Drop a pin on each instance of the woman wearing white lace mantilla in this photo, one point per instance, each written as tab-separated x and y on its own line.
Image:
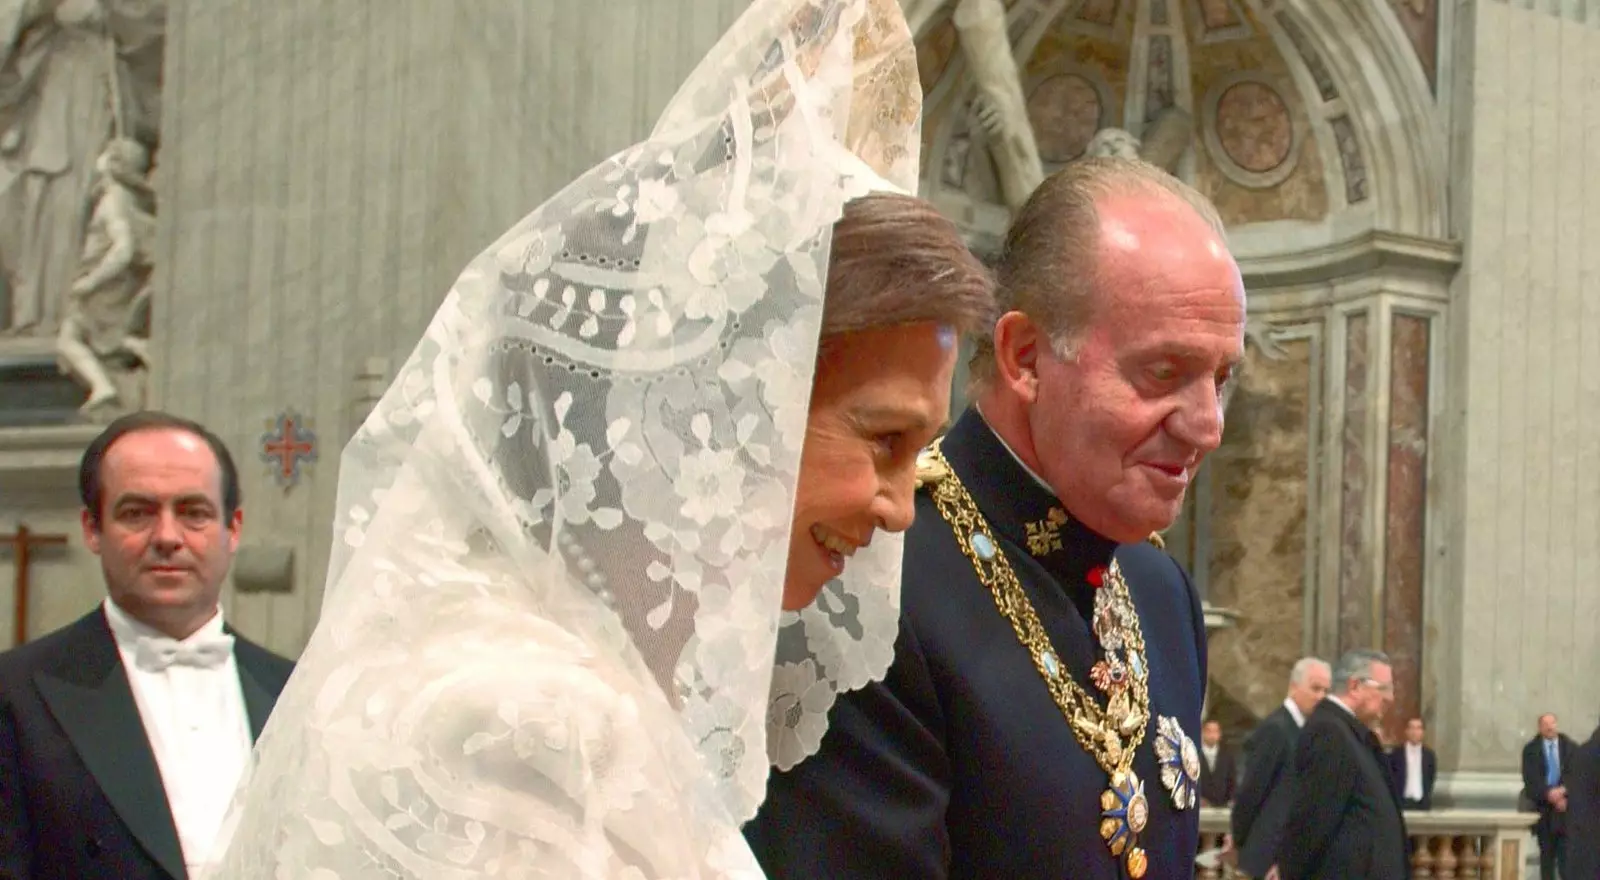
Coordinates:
551	644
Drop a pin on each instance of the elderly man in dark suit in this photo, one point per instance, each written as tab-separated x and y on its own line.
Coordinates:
1345	821
1261	802
1038	718
1414	767
1544	762
1583	809
124	735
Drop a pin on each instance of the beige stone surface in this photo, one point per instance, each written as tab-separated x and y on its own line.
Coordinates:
330	168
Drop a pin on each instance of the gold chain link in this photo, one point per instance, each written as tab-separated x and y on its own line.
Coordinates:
1112	734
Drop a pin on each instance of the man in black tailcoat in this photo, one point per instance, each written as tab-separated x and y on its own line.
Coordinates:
1414	767
1037	720
1345	819
1219	773
123	735
1261	804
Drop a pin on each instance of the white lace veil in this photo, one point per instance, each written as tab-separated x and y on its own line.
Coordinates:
548	642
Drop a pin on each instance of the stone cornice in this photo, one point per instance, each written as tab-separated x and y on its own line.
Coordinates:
1365	254
44	452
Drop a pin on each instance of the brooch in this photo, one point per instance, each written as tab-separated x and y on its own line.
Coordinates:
1180	763
1044	536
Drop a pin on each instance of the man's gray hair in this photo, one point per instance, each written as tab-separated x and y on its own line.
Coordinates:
1303	666
1047	267
1356	664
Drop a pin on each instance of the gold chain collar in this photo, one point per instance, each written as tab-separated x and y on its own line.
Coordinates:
1111	734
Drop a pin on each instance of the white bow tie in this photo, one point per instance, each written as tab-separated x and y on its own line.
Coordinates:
155	654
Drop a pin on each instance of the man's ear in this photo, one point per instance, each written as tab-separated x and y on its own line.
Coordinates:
91	531
235	524
1016	354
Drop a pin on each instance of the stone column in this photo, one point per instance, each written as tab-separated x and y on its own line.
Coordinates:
1386	397
1521	599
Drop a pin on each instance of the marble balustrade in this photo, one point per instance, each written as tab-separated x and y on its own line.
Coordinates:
1447	844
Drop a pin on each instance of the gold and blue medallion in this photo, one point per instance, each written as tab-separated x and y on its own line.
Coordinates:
1124	813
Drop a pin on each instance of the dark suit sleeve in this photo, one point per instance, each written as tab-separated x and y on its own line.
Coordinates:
1533	784
1231	778
16	850
1325	786
1583	812
1264	756
1197	616
871	803
1430	772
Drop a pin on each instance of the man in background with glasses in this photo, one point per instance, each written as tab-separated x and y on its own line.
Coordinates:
1346	821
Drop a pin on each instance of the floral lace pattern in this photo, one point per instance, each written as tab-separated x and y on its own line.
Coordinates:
550	645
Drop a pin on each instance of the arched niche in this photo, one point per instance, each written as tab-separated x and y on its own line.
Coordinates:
1315	133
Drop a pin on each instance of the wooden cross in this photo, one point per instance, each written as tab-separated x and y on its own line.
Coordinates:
22	543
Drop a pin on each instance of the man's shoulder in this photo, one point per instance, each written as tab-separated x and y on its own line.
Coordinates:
49	650
1327	717
1150	567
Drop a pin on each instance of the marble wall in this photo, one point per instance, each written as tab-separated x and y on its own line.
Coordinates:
1516	620
1355	577
1405	510
1259	497
330	167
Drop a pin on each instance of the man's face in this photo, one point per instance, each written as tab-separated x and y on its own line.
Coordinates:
1308	693
1211	733
1415	731
1547	726
163	541
1371	697
880	396
1120	428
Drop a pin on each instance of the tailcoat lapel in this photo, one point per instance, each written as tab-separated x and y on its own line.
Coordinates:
90	698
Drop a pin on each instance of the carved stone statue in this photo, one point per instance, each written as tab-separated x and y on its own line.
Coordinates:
105	328
1162	143
1000	107
72	74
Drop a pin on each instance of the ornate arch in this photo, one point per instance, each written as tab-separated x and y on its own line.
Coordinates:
1371	109
1386	93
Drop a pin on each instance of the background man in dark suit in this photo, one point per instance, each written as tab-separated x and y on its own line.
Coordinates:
1414	767
1261	802
1345	821
1583	810
1544	762
123	735
1037	720
1218	773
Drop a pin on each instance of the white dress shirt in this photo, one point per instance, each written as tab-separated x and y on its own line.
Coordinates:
195	719
1210	753
1413	771
1294	712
